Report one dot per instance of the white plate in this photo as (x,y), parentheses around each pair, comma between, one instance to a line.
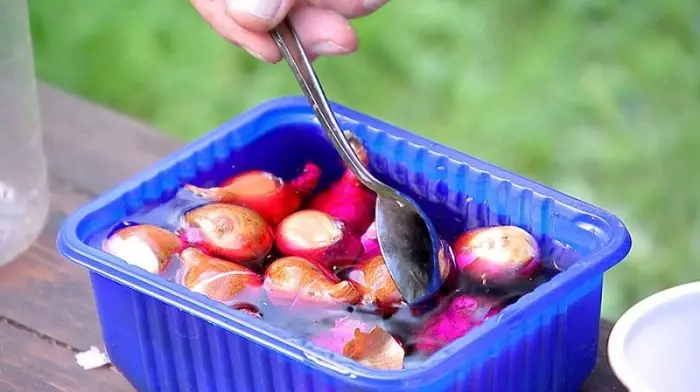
(655,346)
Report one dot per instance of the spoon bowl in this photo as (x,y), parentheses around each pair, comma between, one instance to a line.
(407,239)
(410,247)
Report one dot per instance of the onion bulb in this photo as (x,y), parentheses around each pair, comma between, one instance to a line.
(319,237)
(146,246)
(295,281)
(269,195)
(497,255)
(218,279)
(232,232)
(348,199)
(377,286)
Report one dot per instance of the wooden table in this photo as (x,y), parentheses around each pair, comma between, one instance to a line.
(46,307)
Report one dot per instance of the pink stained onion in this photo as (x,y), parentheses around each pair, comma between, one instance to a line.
(343,331)
(146,246)
(348,199)
(463,313)
(319,237)
(264,192)
(232,232)
(218,279)
(497,255)
(297,282)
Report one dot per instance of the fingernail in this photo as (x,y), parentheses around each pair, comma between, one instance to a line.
(374,4)
(263,9)
(329,48)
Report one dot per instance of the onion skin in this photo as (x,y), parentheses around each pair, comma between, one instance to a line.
(377,286)
(464,313)
(250,310)
(235,233)
(357,146)
(319,237)
(336,337)
(348,199)
(376,349)
(497,255)
(298,282)
(146,246)
(446,260)
(218,279)
(370,242)
(267,194)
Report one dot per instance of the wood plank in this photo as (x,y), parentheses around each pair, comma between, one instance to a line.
(30,363)
(88,145)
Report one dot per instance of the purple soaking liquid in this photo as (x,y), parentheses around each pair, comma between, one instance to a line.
(403,324)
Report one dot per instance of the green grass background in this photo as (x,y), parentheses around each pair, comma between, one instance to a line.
(598,98)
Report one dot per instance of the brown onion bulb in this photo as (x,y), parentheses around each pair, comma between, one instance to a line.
(146,246)
(370,244)
(319,237)
(377,286)
(295,281)
(264,192)
(218,279)
(499,255)
(232,232)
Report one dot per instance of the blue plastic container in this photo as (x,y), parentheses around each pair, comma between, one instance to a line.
(163,338)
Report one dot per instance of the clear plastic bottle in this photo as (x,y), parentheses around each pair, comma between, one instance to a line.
(24,195)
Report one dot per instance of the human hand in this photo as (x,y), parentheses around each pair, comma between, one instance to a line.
(322,25)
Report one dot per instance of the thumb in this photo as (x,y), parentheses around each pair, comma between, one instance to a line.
(258,15)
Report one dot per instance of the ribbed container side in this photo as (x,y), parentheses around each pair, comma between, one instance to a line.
(164,338)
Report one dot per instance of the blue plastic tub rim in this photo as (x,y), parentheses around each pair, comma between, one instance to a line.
(574,281)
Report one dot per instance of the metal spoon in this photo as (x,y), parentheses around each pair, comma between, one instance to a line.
(412,250)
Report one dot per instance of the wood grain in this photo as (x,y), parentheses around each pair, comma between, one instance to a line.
(46,306)
(92,147)
(31,364)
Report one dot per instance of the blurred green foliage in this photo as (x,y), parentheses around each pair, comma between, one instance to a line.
(598,98)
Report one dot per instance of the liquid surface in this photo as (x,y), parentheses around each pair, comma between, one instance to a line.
(309,323)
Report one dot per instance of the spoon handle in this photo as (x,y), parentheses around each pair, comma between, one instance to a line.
(289,44)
